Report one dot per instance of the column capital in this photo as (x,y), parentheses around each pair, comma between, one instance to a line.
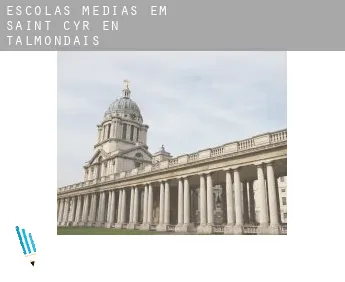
(206,173)
(259,164)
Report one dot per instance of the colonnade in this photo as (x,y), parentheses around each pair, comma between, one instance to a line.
(132,207)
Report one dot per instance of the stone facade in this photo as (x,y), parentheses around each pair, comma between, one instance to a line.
(237,188)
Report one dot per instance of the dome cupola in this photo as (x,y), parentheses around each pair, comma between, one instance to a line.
(124,106)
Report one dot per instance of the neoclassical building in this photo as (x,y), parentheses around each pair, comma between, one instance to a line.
(236,188)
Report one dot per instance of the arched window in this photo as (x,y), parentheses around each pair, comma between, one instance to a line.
(99,167)
(132,132)
(109,127)
(124,130)
(137,134)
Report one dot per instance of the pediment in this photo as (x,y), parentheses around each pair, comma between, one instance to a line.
(134,153)
(97,154)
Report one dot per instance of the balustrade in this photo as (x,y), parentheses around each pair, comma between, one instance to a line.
(246,144)
(217,151)
(193,157)
(278,136)
(274,137)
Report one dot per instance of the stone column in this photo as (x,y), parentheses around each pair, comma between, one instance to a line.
(206,205)
(85,209)
(150,205)
(118,222)
(99,210)
(135,209)
(78,211)
(65,213)
(238,203)
(161,203)
(102,209)
(230,210)
(262,197)
(229,199)
(94,208)
(72,212)
(209,200)
(123,207)
(249,199)
(273,200)
(167,203)
(186,205)
(111,208)
(58,209)
(203,210)
(145,205)
(180,201)
(61,202)
(131,206)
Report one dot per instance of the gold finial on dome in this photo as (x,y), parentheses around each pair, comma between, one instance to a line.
(126,84)
(126,91)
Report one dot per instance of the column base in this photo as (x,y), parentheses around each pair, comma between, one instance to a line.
(263,229)
(162,227)
(229,230)
(185,228)
(75,223)
(269,230)
(108,225)
(118,225)
(204,229)
(238,230)
(131,226)
(145,227)
(99,224)
(81,224)
(90,224)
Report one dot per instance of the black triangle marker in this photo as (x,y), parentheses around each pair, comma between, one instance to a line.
(32,263)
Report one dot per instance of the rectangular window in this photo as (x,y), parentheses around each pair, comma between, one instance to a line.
(282,179)
(124,131)
(137,134)
(283,189)
(109,126)
(285,215)
(132,132)
(284,201)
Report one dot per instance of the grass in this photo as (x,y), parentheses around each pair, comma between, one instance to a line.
(102,231)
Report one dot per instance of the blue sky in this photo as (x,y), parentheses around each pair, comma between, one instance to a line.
(190,100)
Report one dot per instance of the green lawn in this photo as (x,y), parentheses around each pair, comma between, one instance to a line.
(103,231)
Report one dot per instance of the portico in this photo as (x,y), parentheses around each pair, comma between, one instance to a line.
(180,198)
(229,189)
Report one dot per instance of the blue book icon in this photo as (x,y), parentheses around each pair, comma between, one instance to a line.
(27,244)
